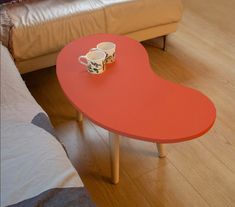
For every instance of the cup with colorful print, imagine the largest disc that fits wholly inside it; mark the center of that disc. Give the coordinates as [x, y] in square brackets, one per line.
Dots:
[95, 61]
[109, 48]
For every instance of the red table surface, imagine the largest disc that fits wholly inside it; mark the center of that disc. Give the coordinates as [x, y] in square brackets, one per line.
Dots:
[129, 98]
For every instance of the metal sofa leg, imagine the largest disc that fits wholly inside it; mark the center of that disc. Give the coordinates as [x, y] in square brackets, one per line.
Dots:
[164, 42]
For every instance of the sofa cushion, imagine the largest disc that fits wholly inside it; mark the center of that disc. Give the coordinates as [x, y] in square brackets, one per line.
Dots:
[43, 27]
[46, 26]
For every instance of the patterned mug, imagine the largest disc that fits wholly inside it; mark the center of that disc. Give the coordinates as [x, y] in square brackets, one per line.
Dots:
[109, 48]
[95, 61]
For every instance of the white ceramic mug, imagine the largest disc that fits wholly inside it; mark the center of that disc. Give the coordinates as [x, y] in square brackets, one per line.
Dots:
[95, 61]
[109, 48]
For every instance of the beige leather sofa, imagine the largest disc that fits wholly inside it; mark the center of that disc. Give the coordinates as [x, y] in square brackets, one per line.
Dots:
[36, 30]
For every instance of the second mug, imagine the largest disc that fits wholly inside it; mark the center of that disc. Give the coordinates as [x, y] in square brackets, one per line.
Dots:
[109, 48]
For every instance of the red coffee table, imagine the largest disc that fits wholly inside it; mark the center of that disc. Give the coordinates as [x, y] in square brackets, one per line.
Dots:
[130, 99]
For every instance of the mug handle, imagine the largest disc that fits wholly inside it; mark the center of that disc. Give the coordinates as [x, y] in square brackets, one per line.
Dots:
[80, 60]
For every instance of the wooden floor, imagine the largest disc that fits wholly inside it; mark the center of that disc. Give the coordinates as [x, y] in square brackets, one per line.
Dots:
[201, 55]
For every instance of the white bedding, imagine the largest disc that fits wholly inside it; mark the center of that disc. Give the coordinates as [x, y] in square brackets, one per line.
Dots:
[16, 101]
[35, 170]
[32, 161]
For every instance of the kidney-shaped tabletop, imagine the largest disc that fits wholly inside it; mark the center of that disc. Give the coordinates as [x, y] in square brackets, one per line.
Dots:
[129, 98]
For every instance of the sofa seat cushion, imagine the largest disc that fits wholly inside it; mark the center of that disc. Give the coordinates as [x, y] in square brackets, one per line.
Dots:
[43, 27]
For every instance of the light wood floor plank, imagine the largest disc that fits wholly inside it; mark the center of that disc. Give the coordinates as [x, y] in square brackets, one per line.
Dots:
[167, 188]
[213, 180]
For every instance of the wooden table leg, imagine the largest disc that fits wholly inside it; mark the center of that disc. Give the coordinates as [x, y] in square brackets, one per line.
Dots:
[161, 151]
[79, 116]
[114, 152]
